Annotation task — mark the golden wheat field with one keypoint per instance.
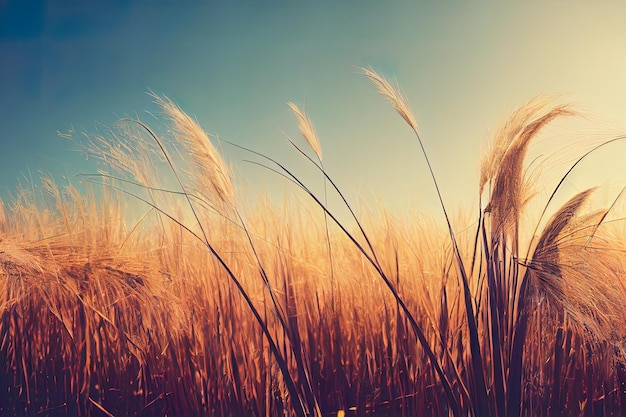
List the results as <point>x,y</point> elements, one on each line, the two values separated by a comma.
<point>155,289</point>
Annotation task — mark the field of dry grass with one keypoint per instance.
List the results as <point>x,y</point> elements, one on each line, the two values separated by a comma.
<point>154,291</point>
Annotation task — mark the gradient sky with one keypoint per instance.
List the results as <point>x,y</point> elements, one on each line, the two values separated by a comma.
<point>235,64</point>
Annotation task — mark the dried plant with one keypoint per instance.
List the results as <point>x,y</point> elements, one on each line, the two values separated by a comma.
<point>185,312</point>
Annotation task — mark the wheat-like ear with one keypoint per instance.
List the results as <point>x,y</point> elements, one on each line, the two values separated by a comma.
<point>394,95</point>
<point>214,179</point>
<point>307,129</point>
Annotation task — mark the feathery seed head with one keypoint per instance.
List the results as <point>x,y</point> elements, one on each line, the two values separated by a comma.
<point>507,161</point>
<point>492,159</point>
<point>394,95</point>
<point>307,130</point>
<point>214,177</point>
<point>583,281</point>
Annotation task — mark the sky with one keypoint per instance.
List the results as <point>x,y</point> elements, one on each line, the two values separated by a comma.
<point>69,65</point>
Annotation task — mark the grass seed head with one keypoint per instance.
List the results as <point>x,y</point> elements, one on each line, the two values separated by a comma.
<point>509,192</point>
<point>394,95</point>
<point>307,129</point>
<point>214,177</point>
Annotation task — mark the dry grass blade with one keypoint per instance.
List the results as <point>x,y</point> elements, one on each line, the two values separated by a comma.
<point>395,96</point>
<point>100,407</point>
<point>214,179</point>
<point>307,129</point>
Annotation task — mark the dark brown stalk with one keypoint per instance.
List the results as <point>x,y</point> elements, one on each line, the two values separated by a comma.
<point>495,327</point>
<point>555,401</point>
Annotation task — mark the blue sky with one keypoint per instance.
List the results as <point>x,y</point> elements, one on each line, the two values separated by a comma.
<point>235,64</point>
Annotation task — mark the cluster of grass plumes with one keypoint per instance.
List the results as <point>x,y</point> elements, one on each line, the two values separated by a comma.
<point>155,292</point>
